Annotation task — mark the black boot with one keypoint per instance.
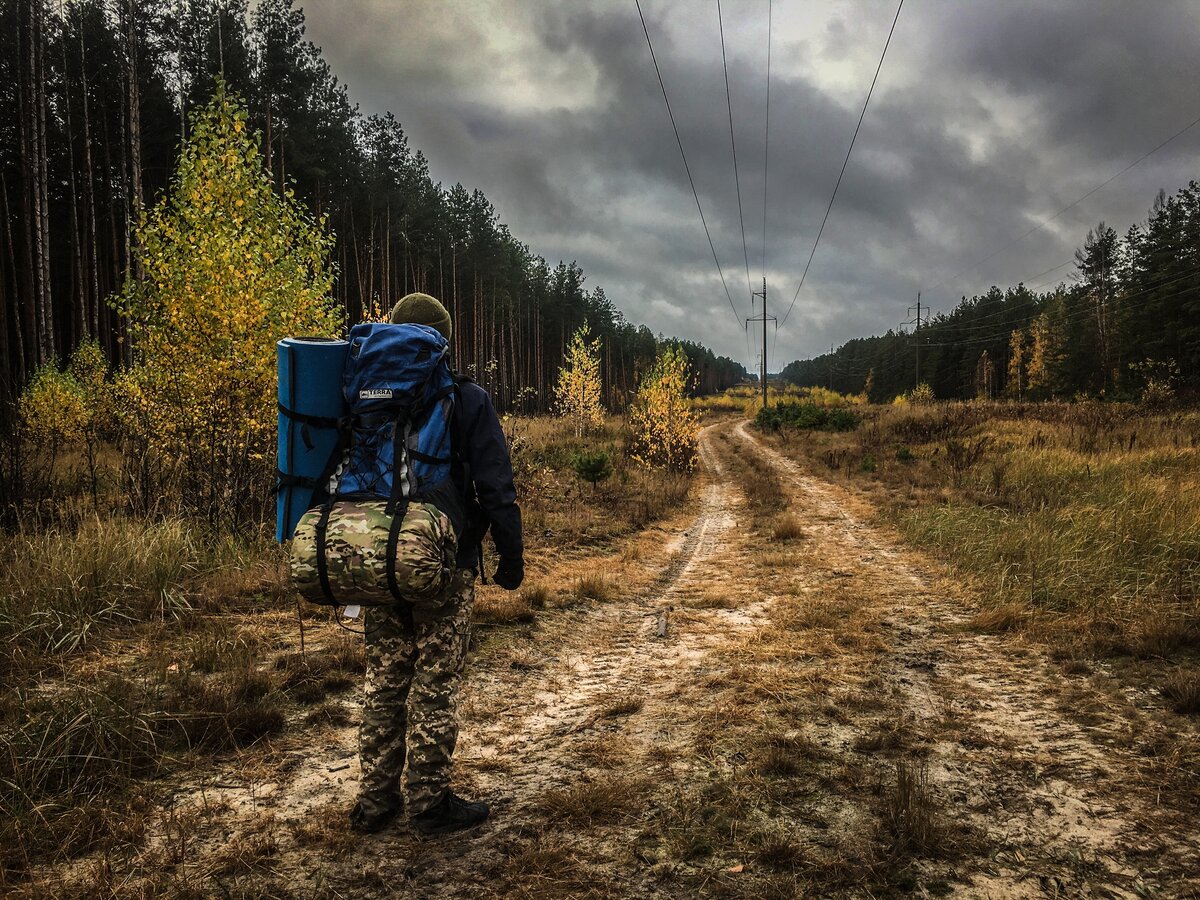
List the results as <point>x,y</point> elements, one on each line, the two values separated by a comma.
<point>370,823</point>
<point>452,813</point>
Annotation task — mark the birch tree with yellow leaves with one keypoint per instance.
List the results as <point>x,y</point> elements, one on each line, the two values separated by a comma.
<point>577,393</point>
<point>665,430</point>
<point>229,265</point>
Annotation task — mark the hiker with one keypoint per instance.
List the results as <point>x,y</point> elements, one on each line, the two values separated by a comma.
<point>415,651</point>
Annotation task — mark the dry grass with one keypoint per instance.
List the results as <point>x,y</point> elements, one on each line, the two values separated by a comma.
<point>548,865</point>
<point>65,588</point>
<point>596,588</point>
<point>621,705</point>
<point>537,596</point>
<point>506,608</point>
<point>595,801</point>
<point>312,676</point>
<point>1076,520</point>
<point>911,824</point>
<point>323,828</point>
<point>1182,690</point>
<point>787,528</point>
<point>246,854</point>
<point>571,514</point>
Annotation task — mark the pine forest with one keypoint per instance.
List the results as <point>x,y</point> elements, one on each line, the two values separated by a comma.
<point>95,98</point>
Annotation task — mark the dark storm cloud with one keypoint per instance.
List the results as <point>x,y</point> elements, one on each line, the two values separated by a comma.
<point>987,119</point>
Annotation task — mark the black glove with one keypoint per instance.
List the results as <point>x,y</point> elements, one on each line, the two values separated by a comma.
<point>510,573</point>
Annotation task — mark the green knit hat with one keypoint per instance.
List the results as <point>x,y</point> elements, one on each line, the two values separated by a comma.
<point>421,309</point>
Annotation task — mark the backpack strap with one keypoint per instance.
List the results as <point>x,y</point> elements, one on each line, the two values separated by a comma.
<point>393,540</point>
<point>321,490</point>
<point>399,453</point>
<point>322,561</point>
<point>306,419</point>
<point>307,423</point>
<point>458,441</point>
<point>283,480</point>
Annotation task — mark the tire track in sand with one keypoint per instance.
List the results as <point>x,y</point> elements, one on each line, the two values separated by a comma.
<point>615,654</point>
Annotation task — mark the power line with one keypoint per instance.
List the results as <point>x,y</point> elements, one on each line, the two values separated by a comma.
<point>845,162</point>
<point>767,144</point>
<point>1069,206</point>
<point>686,167</point>
<point>733,144</point>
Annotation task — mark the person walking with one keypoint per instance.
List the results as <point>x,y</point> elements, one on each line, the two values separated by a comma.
<point>416,651</point>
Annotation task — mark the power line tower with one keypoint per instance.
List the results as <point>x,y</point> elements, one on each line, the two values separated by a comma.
<point>764,318</point>
<point>917,320</point>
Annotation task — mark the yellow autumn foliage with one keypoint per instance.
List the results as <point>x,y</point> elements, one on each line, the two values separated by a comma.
<point>228,266</point>
<point>577,392</point>
<point>62,407</point>
<point>665,430</point>
<point>52,408</point>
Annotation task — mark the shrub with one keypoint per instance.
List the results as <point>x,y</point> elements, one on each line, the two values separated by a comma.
<point>577,393</point>
<point>594,467</point>
<point>922,393</point>
<point>807,416</point>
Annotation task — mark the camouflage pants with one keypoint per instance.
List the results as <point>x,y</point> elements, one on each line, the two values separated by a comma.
<point>415,655</point>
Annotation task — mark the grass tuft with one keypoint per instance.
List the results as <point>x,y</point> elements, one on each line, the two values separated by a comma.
<point>597,588</point>
<point>1182,691</point>
<point>787,528</point>
<point>911,825</point>
<point>504,609</point>
<point>622,705</point>
<point>596,801</point>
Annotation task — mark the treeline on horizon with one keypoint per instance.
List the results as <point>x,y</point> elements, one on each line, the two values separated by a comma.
<point>1127,321</point>
<point>94,101</point>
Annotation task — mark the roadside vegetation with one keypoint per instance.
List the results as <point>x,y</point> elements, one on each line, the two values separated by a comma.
<point>1078,523</point>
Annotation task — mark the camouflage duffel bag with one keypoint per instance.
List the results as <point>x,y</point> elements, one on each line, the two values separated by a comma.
<point>356,558</point>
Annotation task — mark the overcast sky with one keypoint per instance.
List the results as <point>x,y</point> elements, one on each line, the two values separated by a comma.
<point>989,116</point>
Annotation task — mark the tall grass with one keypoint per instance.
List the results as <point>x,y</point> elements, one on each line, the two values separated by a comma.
<point>62,587</point>
<point>1079,521</point>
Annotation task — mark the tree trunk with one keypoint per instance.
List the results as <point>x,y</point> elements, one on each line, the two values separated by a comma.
<point>37,194</point>
<point>15,339</point>
<point>79,279</point>
<point>92,301</point>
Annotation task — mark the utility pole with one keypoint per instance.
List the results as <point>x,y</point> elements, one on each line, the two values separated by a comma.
<point>831,367</point>
<point>917,332</point>
<point>764,318</point>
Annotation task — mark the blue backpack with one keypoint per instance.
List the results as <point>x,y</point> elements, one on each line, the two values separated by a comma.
<point>400,393</point>
<point>401,438</point>
<point>399,442</point>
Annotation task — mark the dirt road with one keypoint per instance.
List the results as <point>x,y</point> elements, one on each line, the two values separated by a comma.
<point>749,711</point>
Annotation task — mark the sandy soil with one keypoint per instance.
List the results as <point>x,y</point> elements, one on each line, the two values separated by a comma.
<point>596,709</point>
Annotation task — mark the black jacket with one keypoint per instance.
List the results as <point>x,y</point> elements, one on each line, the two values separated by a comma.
<point>491,497</point>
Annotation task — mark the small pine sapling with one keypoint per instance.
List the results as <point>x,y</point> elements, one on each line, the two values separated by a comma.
<point>593,467</point>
